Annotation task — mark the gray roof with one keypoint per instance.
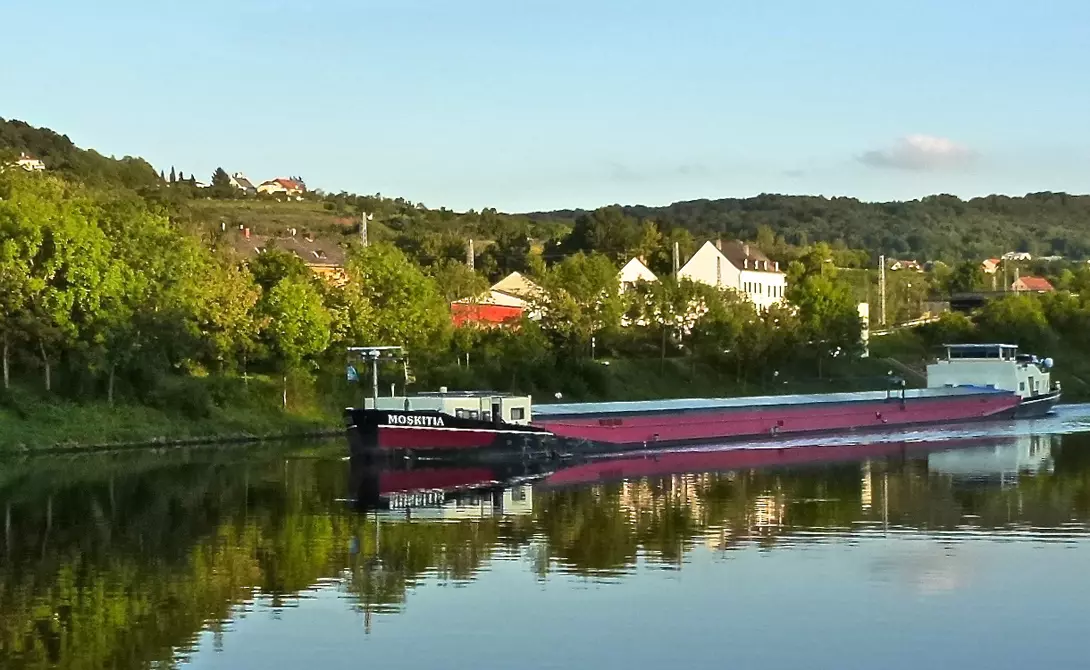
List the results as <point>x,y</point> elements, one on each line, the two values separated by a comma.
<point>747,256</point>
<point>312,252</point>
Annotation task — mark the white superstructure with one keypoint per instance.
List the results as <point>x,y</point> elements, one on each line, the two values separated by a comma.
<point>460,404</point>
<point>991,365</point>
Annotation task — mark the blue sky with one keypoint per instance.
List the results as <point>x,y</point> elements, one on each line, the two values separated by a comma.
<point>533,104</point>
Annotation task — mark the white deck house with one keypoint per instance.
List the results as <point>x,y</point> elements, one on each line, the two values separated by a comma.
<point>991,365</point>
<point>738,266</point>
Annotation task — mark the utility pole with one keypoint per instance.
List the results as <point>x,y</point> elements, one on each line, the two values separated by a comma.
<point>363,227</point>
<point>675,260</point>
<point>882,287</point>
<point>470,256</point>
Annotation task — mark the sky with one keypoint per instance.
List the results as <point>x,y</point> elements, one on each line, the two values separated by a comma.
<point>531,104</point>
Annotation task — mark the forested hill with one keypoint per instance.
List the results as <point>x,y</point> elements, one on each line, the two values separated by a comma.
<point>86,165</point>
<point>940,227</point>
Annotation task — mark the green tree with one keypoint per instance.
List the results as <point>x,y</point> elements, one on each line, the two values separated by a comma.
<point>608,231</point>
<point>966,277</point>
<point>827,311</point>
<point>298,325</point>
<point>581,301</point>
<point>221,185</point>
<point>392,302</point>
<point>457,281</point>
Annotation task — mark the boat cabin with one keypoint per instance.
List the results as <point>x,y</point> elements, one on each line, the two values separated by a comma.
<point>481,405</point>
<point>997,366</point>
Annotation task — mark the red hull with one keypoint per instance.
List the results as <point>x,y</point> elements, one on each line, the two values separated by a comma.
<point>741,422</point>
<point>434,438</point>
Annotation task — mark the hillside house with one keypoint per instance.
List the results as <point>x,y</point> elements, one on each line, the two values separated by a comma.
<point>282,186</point>
<point>30,163</point>
<point>1031,284</point>
<point>242,183</point>
<point>324,258</point>
<point>990,265</point>
<point>910,265</point>
<point>739,266</point>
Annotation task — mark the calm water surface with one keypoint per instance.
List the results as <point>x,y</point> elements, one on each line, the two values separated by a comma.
<point>913,555</point>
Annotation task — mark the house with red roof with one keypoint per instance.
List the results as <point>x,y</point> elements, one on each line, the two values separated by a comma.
<point>1032,284</point>
<point>283,186</point>
<point>990,265</point>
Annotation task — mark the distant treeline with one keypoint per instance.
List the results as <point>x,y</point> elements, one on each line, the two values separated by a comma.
<point>938,227</point>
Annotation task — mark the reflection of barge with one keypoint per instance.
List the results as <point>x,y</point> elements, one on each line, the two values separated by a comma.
<point>972,383</point>
<point>444,491</point>
<point>663,463</point>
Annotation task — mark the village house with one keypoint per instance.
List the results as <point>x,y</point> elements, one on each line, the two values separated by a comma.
<point>242,183</point>
<point>634,272</point>
<point>282,186</point>
<point>30,163</point>
<point>1017,256</point>
<point>1031,284</point>
<point>911,265</point>
<point>990,265</point>
<point>505,303</point>
<point>324,258</point>
<point>738,266</point>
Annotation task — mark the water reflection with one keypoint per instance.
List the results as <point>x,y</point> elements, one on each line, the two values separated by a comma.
<point>123,561</point>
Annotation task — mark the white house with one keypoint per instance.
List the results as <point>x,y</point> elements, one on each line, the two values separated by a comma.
<point>738,266</point>
<point>634,272</point>
<point>242,183</point>
<point>30,163</point>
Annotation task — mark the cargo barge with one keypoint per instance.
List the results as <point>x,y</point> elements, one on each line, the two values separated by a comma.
<point>973,382</point>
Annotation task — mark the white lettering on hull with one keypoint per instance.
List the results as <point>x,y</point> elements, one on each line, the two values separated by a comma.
<point>415,420</point>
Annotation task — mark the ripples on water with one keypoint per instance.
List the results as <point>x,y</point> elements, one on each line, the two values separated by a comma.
<point>262,558</point>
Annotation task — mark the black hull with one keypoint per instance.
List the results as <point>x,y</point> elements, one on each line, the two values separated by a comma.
<point>1037,406</point>
<point>381,434</point>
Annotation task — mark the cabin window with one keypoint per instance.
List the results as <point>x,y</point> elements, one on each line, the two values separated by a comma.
<point>461,414</point>
<point>518,413</point>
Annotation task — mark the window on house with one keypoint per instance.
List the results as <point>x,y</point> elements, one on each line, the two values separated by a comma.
<point>518,413</point>
<point>1022,386</point>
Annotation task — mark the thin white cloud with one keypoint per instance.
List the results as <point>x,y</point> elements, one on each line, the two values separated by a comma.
<point>919,152</point>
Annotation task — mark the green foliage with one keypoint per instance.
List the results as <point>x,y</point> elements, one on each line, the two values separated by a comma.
<point>582,300</point>
<point>298,323</point>
<point>60,155</point>
<point>221,185</point>
<point>940,227</point>
<point>391,301</point>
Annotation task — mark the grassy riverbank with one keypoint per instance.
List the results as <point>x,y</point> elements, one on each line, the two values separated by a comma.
<point>230,409</point>
<point>32,420</point>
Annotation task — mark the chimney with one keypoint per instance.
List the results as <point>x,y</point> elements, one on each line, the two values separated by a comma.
<point>745,263</point>
<point>719,244</point>
<point>777,266</point>
<point>745,249</point>
<point>246,232</point>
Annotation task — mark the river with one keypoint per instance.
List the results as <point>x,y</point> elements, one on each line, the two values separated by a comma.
<point>961,548</point>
